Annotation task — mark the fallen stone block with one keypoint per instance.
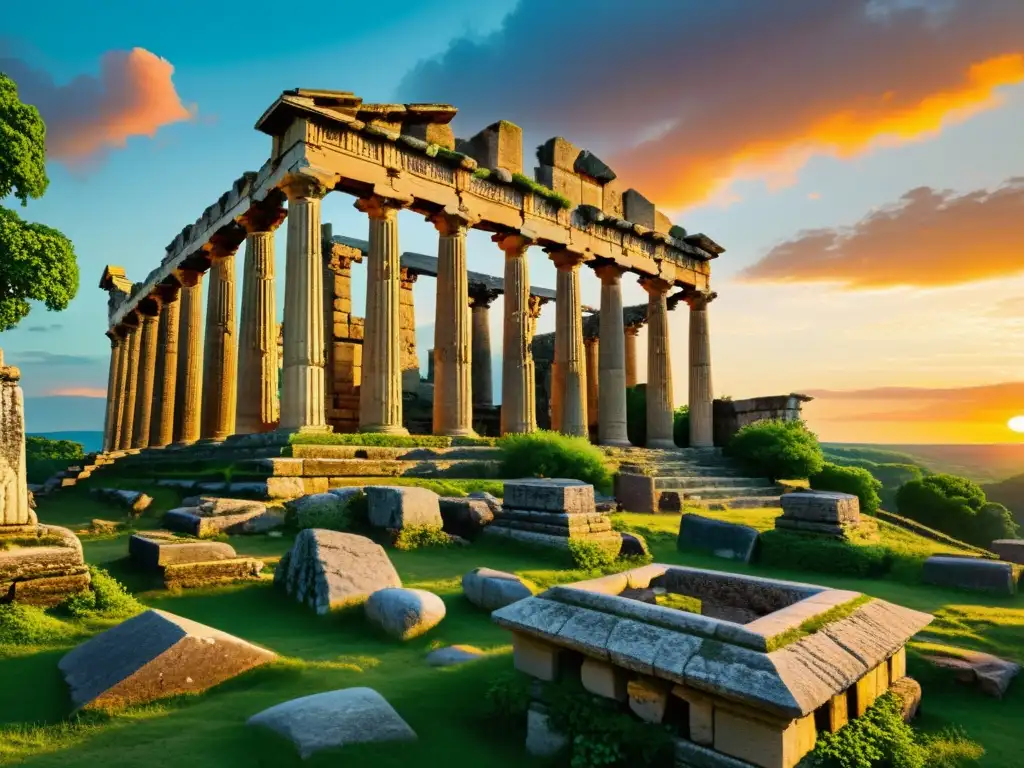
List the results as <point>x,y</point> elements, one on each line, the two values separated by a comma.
<point>404,613</point>
<point>465,517</point>
<point>152,656</point>
<point>991,674</point>
<point>327,570</point>
<point>490,589</point>
<point>453,655</point>
<point>908,691</point>
<point>154,553</point>
<point>1009,550</point>
<point>633,545</point>
<point>821,507</point>
<point>186,520</point>
<point>541,739</point>
<point>191,575</point>
<point>970,573</point>
<point>550,495</point>
<point>334,719</point>
<point>401,507</point>
<point>728,540</point>
<point>214,506</point>
<point>136,502</point>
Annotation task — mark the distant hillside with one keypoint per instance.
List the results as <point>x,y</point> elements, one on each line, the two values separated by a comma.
<point>981,463</point>
<point>90,440</point>
<point>1010,493</point>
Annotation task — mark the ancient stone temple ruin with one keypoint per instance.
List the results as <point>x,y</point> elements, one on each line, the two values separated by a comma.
<point>746,670</point>
<point>170,382</point>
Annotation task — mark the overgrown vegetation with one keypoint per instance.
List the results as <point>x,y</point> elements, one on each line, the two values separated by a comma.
<point>420,537</point>
<point>779,450</point>
<point>552,454</point>
<point>591,556</point>
<point>812,625</point>
<point>27,625</point>
<point>528,185</point>
<point>891,475</point>
<point>956,506</point>
<point>880,739</point>
<point>105,598</point>
<point>853,480</point>
<point>374,439</point>
<point>332,516</point>
<point>44,457</point>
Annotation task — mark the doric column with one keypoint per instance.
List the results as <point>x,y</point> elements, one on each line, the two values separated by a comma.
<point>569,375</point>
<point>220,356</point>
<point>131,384</point>
<point>258,409</point>
<point>303,389</point>
<point>631,334</point>
<point>701,392</point>
<point>612,359</point>
<point>592,347</point>
<point>453,354</point>
<point>518,396</point>
<point>149,309</point>
<point>113,394</point>
<point>161,427</point>
<point>480,299</point>
<point>188,394</point>
<point>117,415</point>
<point>659,366</point>
<point>380,395</point>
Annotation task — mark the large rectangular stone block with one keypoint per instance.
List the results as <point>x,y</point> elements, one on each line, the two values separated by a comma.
<point>604,679</point>
<point>550,495</point>
<point>636,493</point>
<point>898,665</point>
<point>972,573</point>
<point>1010,550</point>
<point>648,698</point>
<point>638,209</point>
<point>821,507</point>
<point>763,744</point>
<point>535,658</point>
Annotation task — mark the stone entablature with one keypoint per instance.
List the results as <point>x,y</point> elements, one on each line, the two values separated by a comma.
<point>758,687</point>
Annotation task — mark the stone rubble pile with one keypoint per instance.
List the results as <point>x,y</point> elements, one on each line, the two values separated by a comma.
<point>136,502</point>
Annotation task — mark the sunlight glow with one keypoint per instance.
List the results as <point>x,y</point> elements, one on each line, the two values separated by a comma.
<point>1016,423</point>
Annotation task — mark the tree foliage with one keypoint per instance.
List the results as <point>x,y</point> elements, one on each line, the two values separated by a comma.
<point>860,482</point>
<point>781,450</point>
<point>36,261</point>
<point>43,449</point>
<point>956,506</point>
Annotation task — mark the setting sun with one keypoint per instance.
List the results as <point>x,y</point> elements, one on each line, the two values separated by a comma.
<point>1016,423</point>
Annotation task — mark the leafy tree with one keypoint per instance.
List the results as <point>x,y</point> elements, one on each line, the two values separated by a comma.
<point>782,450</point>
<point>44,449</point>
<point>36,262</point>
<point>956,506</point>
<point>855,480</point>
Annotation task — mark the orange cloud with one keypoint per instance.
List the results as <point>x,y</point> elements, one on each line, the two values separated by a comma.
<point>134,95</point>
<point>77,392</point>
<point>927,239</point>
<point>686,98</point>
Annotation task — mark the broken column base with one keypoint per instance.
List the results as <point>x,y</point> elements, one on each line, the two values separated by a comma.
<point>40,565</point>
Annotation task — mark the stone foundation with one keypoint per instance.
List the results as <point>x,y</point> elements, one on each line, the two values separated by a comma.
<point>40,565</point>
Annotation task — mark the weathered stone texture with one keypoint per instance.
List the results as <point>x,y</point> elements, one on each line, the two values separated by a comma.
<point>402,507</point>
<point>153,656</point>
<point>14,508</point>
<point>970,573</point>
<point>1010,550</point>
<point>153,553</point>
<point>728,540</point>
<point>465,517</point>
<point>404,613</point>
<point>549,495</point>
<point>490,589</point>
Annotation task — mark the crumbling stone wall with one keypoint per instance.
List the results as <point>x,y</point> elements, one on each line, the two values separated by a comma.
<point>730,415</point>
<point>14,508</point>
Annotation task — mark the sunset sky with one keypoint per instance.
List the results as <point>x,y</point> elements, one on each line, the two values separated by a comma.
<point>862,161</point>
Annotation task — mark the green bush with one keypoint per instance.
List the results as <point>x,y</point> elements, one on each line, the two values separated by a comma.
<point>27,625</point>
<point>781,549</point>
<point>106,597</point>
<point>591,556</point>
<point>550,454</point>
<point>43,448</point>
<point>957,507</point>
<point>854,480</point>
<point>681,426</point>
<point>508,697</point>
<point>420,536</point>
<point>780,450</point>
<point>951,749</point>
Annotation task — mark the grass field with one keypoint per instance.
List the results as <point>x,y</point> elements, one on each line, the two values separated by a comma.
<point>444,706</point>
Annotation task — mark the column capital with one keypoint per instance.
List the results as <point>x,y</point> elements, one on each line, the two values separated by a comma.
<point>188,278</point>
<point>655,286</point>
<point>633,330</point>
<point>481,295</point>
<point>512,243</point>
<point>262,218</point>
<point>339,257</point>
<point>168,293</point>
<point>566,260</point>
<point>608,272</point>
<point>115,340</point>
<point>380,207</point>
<point>450,222</point>
<point>534,305</point>
<point>699,300</point>
<point>299,187</point>
<point>407,276</point>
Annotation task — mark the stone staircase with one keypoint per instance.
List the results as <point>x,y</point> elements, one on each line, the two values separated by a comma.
<point>69,477</point>
<point>702,477</point>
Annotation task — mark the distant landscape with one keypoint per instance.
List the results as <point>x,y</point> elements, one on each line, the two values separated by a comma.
<point>981,463</point>
<point>90,440</point>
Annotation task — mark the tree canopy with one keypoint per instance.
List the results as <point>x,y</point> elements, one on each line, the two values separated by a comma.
<point>957,506</point>
<point>36,262</point>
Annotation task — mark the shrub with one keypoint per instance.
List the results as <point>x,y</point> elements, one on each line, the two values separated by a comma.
<point>591,556</point>
<point>508,697</point>
<point>419,536</point>
<point>550,454</point>
<point>106,597</point>
<point>877,739</point>
<point>951,749</point>
<point>45,457</point>
<point>781,450</point>
<point>27,625</point>
<point>681,426</point>
<point>956,506</point>
<point>782,549</point>
<point>855,480</point>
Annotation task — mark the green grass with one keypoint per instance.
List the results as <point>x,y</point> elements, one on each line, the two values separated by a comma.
<point>443,705</point>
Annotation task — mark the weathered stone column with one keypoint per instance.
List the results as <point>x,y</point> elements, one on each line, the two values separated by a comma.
<point>189,388</point>
<point>569,384</point>
<point>303,388</point>
<point>380,395</point>
<point>631,334</point>
<point>659,366</point>
<point>149,309</point>
<point>161,428</point>
<point>131,384</point>
<point>258,409</point>
<point>592,347</point>
<point>480,299</point>
<point>14,508</point>
<point>220,357</point>
<point>701,392</point>
<point>612,359</point>
<point>117,414</point>
<point>518,397</point>
<point>110,420</point>
<point>453,354</point>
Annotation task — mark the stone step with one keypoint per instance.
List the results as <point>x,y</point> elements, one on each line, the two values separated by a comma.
<point>477,452</point>
<point>723,493</point>
<point>711,481</point>
<point>296,467</point>
<point>738,502</point>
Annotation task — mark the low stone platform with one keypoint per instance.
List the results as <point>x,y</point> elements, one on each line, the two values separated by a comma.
<point>189,563</point>
<point>550,512</point>
<point>973,573</point>
<point>40,565</point>
<point>1009,550</point>
<point>821,513</point>
<point>209,516</point>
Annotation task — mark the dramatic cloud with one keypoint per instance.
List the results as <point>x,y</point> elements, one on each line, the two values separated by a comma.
<point>685,98</point>
<point>1013,308</point>
<point>77,392</point>
<point>928,239</point>
<point>132,96</point>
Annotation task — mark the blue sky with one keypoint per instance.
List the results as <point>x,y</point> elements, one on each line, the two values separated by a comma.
<point>124,207</point>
